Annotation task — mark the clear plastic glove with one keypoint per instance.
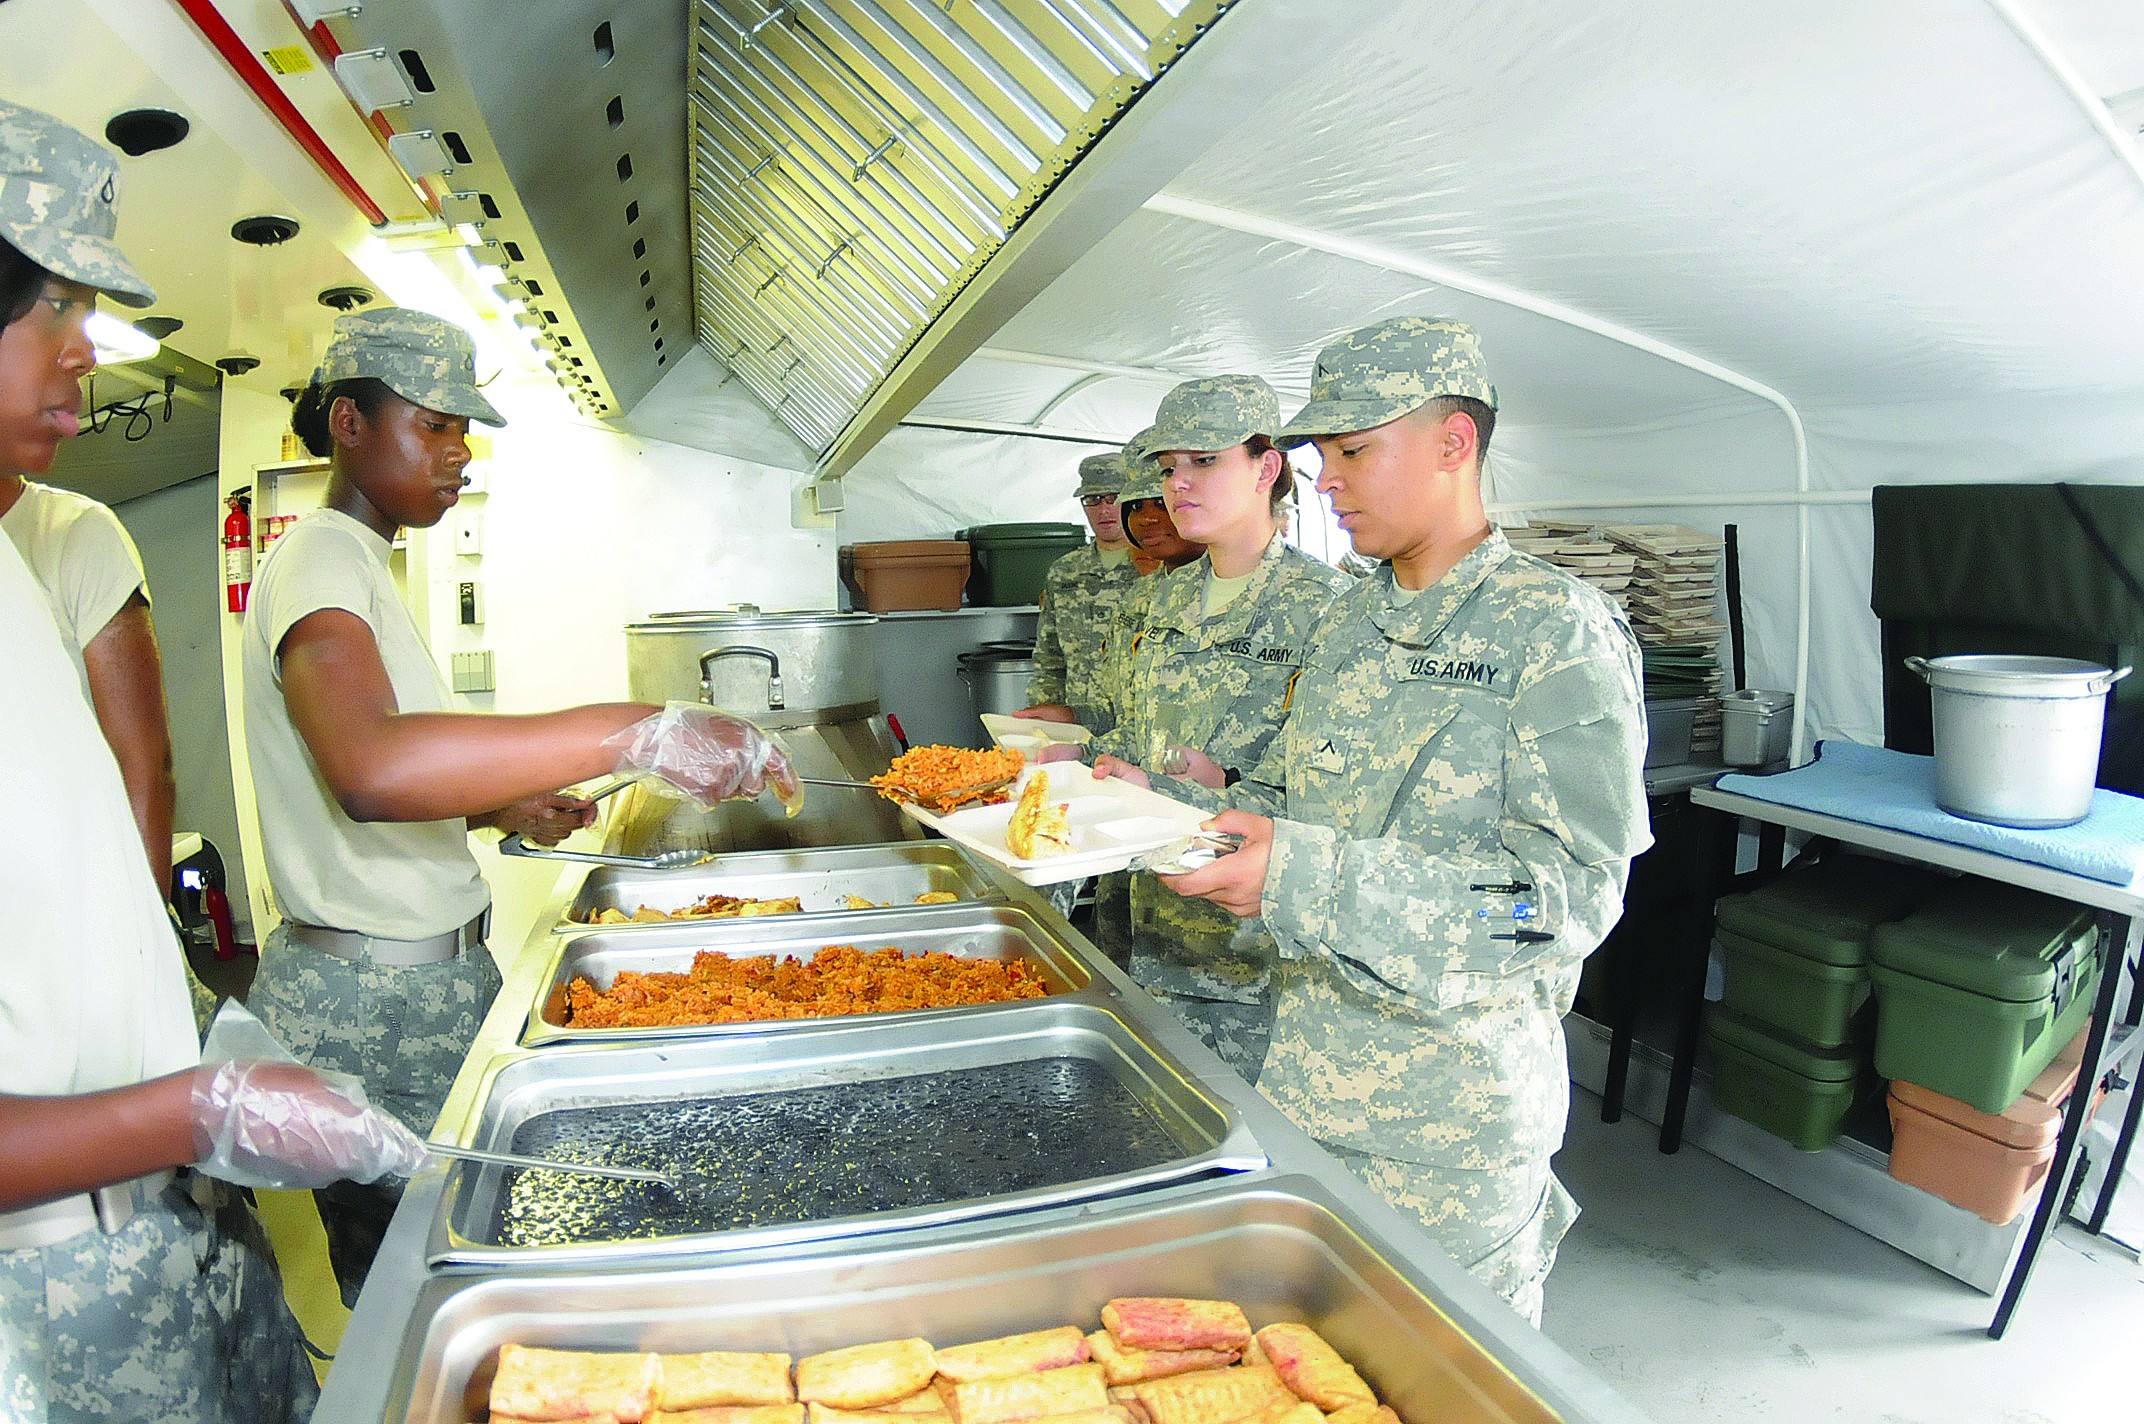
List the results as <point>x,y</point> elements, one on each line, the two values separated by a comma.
<point>708,756</point>
<point>262,1119</point>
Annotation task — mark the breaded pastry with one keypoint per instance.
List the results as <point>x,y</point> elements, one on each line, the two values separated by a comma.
<point>1127,1365</point>
<point>1174,1323</point>
<point>1363,1414</point>
<point>1014,1355</point>
<point>723,1377</point>
<point>827,1414</point>
<point>1212,1396</point>
<point>866,1376</point>
<point>1312,1368</point>
<point>1038,828</point>
<point>535,1384</point>
<point>731,1414</point>
<point>1072,1389</point>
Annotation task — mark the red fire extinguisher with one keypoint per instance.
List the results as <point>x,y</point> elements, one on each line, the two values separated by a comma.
<point>238,550</point>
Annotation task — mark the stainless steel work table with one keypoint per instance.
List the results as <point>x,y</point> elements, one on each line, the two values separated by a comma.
<point>373,1369</point>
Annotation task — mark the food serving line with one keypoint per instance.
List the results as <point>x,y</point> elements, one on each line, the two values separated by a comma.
<point>955,1174</point>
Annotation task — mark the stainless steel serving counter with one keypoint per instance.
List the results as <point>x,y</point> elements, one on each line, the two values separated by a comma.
<point>1298,1238</point>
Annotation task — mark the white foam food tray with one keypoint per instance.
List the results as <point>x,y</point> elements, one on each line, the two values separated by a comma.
<point>1113,823</point>
<point>1000,726</point>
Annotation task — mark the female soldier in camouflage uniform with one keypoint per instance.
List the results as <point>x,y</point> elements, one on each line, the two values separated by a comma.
<point>1208,680</point>
<point>368,786</point>
<point>130,1289</point>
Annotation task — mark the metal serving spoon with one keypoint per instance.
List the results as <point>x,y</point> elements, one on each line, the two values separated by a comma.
<point>661,860</point>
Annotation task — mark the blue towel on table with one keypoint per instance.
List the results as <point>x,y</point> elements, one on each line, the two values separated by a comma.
<point>1897,790</point>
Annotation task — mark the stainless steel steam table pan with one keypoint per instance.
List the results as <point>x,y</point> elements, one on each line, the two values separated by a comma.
<point>817,1133</point>
<point>1285,1247</point>
<point>893,874</point>
<point>972,931</point>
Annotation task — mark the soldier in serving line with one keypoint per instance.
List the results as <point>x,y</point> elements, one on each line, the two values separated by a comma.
<point>1443,830</point>
<point>1207,681</point>
<point>1079,594</point>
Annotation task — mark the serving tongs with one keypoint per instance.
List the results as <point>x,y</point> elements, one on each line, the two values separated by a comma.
<point>661,860</point>
<point>667,1181</point>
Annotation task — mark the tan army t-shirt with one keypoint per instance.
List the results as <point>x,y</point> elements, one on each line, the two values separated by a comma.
<point>394,880</point>
<point>83,558</point>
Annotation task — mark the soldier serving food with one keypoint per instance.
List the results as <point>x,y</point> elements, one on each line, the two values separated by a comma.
<point>1207,678</point>
<point>1443,829</point>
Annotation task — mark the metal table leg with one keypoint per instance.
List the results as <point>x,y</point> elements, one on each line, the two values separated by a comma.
<point>2118,931</point>
<point>1715,836</point>
<point>2118,1162</point>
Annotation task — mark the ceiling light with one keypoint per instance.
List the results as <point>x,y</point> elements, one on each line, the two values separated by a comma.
<point>118,343</point>
<point>140,131</point>
<point>420,153</point>
<point>265,230</point>
<point>372,79</point>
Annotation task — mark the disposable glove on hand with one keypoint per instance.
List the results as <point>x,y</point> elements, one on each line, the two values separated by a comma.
<point>262,1119</point>
<point>707,755</point>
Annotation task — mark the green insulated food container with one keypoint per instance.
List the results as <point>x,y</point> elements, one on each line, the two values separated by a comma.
<point>1977,992</point>
<point>1790,1087</point>
<point>1011,559</point>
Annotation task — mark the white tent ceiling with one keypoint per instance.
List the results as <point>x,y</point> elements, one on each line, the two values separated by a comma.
<point>1904,219</point>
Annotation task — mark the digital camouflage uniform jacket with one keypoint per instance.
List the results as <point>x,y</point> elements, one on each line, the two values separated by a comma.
<point>1460,794</point>
<point>1221,686</point>
<point>1079,593</point>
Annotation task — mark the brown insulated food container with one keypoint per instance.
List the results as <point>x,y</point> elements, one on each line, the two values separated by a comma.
<point>906,574</point>
<point>1988,1163</point>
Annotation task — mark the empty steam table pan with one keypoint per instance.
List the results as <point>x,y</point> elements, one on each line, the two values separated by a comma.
<point>891,875</point>
<point>1283,1247</point>
<point>971,931</point>
<point>854,1126</point>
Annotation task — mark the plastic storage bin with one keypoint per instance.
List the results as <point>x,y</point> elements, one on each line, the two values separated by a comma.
<point>1755,727</point>
<point>1011,559</point>
<point>1988,1163</point>
<point>905,574</point>
<point>1977,992</point>
<point>1793,1089</point>
<point>1796,951</point>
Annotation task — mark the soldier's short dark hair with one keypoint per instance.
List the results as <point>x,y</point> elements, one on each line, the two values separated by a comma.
<point>21,282</point>
<point>309,419</point>
<point>1484,418</point>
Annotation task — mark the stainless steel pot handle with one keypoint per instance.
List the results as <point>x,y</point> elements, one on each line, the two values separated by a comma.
<point>1919,665</point>
<point>709,658</point>
<point>2112,678</point>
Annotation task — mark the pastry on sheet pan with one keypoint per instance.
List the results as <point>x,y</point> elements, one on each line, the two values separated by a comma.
<point>1038,828</point>
<point>1364,1414</point>
<point>720,1377</point>
<point>1014,1355</point>
<point>1300,1411</point>
<point>1174,1323</point>
<point>1313,1368</point>
<point>534,1384</point>
<point>1073,1389</point>
<point>731,1414</point>
<point>1125,1364</point>
<point>827,1414</point>
<point>1212,1396</point>
<point>866,1376</point>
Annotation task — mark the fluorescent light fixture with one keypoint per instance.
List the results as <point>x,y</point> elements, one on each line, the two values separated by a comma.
<point>117,343</point>
<point>491,274</point>
<point>422,155</point>
<point>373,79</point>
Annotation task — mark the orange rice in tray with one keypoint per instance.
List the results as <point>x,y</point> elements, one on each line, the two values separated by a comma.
<point>839,979</point>
<point>946,778</point>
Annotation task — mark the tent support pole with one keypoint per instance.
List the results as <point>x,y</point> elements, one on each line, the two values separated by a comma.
<point>1371,255</point>
<point>2095,109</point>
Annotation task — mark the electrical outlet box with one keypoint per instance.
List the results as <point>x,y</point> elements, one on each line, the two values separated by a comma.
<point>472,602</point>
<point>473,672</point>
<point>469,534</point>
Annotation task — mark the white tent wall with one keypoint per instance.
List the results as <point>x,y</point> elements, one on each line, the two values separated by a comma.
<point>922,483</point>
<point>1682,228</point>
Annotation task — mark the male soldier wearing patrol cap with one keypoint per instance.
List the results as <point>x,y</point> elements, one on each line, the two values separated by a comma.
<point>1442,831</point>
<point>1079,593</point>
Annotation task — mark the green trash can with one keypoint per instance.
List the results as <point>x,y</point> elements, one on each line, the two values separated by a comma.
<point>1011,559</point>
<point>1790,1087</point>
<point>1796,951</point>
<point>1978,992</point>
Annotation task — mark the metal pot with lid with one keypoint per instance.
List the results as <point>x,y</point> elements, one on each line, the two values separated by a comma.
<point>796,669</point>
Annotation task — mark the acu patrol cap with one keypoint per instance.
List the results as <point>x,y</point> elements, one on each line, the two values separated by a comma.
<point>422,358</point>
<point>1102,474</point>
<point>59,191</point>
<point>1211,413</point>
<point>1378,374</point>
<point>1142,478</point>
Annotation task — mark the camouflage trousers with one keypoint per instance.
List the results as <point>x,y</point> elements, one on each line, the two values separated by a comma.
<point>1238,1032</point>
<point>178,1317</point>
<point>1506,1240</point>
<point>1113,917</point>
<point>403,1032</point>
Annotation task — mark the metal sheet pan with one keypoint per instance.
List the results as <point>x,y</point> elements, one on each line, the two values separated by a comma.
<point>971,931</point>
<point>1208,1132</point>
<point>1282,1247</point>
<point>893,873</point>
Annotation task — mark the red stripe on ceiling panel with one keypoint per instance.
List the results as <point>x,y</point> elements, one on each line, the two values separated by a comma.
<point>256,77</point>
<point>329,49</point>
